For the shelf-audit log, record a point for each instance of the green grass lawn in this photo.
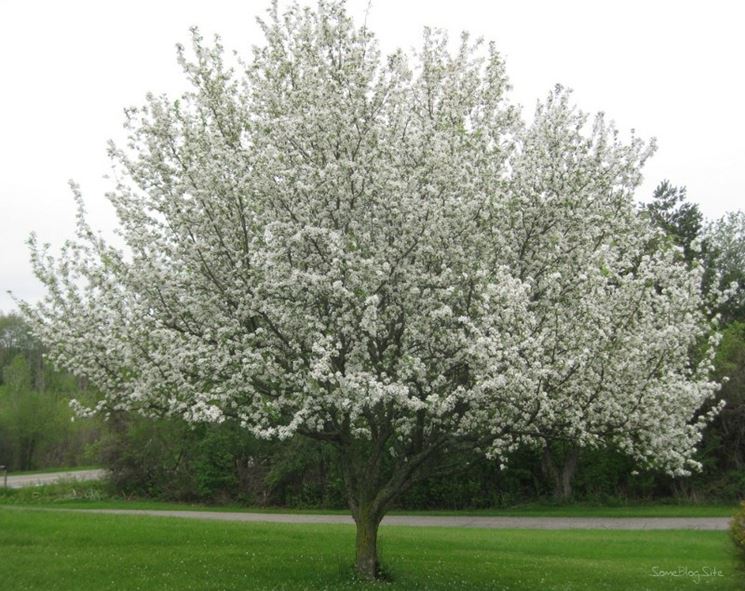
(41, 550)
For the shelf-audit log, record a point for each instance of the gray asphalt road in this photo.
(22, 480)
(647, 523)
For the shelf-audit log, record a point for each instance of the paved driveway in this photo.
(21, 480)
(700, 523)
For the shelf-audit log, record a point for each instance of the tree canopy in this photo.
(379, 253)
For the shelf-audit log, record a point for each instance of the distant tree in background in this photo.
(730, 364)
(15, 336)
(681, 220)
(725, 246)
(35, 419)
(16, 339)
(30, 419)
(719, 246)
(725, 260)
(681, 224)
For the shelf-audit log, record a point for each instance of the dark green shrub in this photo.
(304, 473)
(150, 458)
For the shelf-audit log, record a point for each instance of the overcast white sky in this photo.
(669, 69)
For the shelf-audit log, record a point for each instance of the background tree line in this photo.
(171, 459)
(37, 429)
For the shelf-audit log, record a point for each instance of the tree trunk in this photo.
(563, 478)
(372, 488)
(568, 470)
(366, 561)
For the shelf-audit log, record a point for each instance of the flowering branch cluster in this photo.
(357, 248)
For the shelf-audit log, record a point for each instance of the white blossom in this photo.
(328, 242)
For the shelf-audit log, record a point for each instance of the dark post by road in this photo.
(4, 470)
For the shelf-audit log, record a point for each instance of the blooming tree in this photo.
(724, 241)
(377, 253)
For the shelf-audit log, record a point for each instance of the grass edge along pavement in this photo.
(97, 495)
(452, 521)
(66, 551)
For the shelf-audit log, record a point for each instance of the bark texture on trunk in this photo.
(562, 477)
(366, 561)
(568, 470)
